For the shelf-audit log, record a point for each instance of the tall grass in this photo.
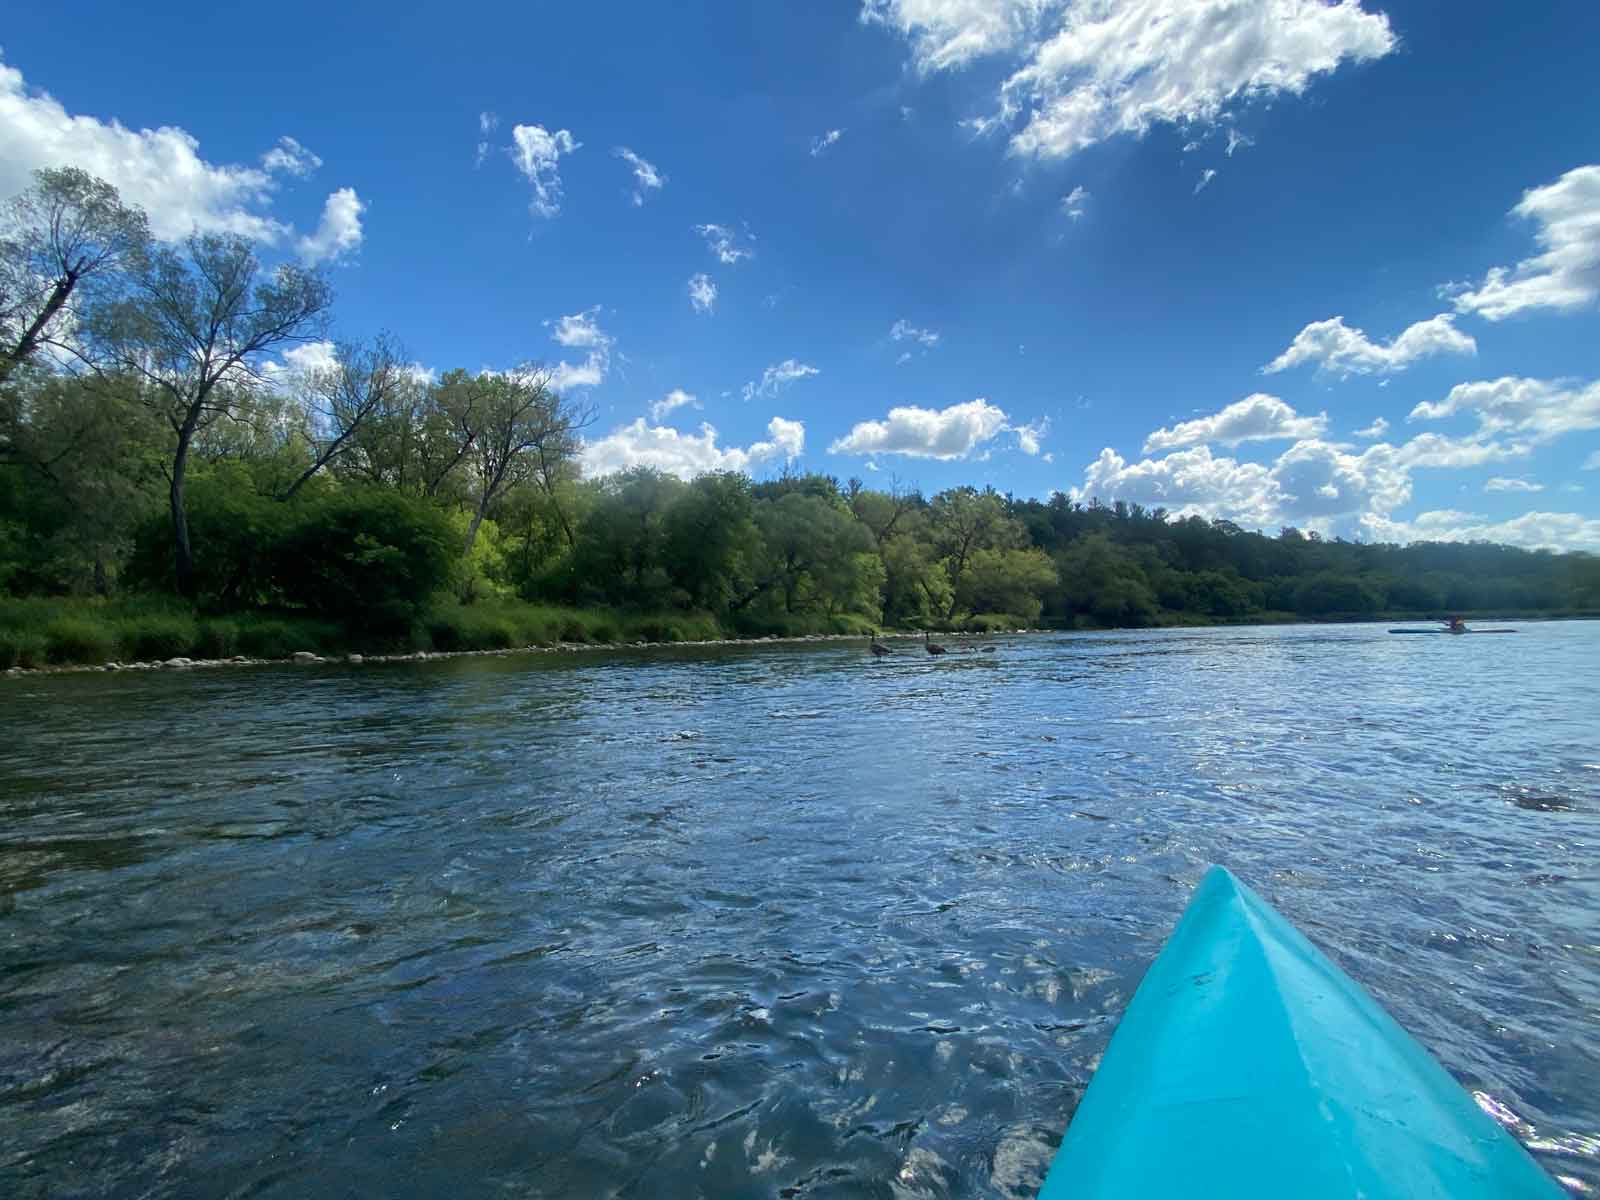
(35, 632)
(39, 632)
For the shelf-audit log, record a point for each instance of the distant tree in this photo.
(711, 545)
(66, 235)
(367, 382)
(521, 429)
(964, 521)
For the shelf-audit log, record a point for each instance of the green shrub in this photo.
(993, 623)
(279, 637)
(20, 648)
(77, 639)
(155, 636)
(218, 639)
(368, 556)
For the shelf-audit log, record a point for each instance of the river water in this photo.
(755, 921)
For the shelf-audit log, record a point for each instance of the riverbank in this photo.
(150, 633)
(43, 635)
(309, 658)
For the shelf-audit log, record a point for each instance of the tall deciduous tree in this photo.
(197, 330)
(522, 429)
(63, 237)
(367, 383)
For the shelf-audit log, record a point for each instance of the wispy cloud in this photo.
(822, 142)
(1206, 177)
(702, 293)
(488, 122)
(1074, 202)
(778, 376)
(904, 331)
(537, 154)
(675, 399)
(645, 176)
(724, 243)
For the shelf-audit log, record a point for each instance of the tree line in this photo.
(153, 439)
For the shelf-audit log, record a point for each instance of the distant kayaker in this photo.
(1455, 625)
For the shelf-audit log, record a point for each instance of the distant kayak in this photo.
(1248, 1066)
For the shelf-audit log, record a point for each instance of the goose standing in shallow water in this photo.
(877, 647)
(932, 647)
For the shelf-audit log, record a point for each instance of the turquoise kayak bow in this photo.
(1248, 1066)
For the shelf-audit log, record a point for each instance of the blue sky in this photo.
(1054, 245)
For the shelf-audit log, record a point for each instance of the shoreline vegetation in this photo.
(192, 467)
(52, 637)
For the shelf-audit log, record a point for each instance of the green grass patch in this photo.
(157, 636)
(77, 639)
(21, 648)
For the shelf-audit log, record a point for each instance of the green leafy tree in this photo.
(196, 331)
(66, 238)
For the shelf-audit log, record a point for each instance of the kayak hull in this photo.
(1249, 1066)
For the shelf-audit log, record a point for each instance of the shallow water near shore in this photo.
(755, 920)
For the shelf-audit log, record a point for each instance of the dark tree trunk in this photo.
(182, 552)
(29, 342)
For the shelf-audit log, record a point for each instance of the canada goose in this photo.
(877, 647)
(932, 647)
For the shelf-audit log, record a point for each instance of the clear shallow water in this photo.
(780, 921)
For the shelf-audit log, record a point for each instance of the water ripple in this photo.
(772, 921)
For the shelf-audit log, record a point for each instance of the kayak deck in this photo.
(1248, 1065)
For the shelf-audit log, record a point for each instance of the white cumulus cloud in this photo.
(1320, 485)
(1567, 274)
(1093, 69)
(339, 232)
(537, 153)
(777, 377)
(645, 177)
(1334, 346)
(1376, 430)
(947, 433)
(160, 170)
(581, 331)
(1534, 530)
(685, 454)
(1541, 409)
(724, 243)
(702, 293)
(1256, 418)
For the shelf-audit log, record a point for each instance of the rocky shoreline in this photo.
(308, 658)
